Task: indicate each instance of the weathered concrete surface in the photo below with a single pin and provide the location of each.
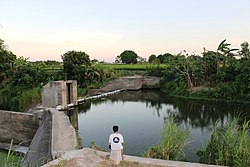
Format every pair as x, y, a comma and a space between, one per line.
39, 152
16, 148
128, 83
60, 93
150, 82
63, 134
54, 136
92, 158
21, 127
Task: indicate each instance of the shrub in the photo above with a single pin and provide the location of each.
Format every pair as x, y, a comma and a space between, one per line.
229, 145
26, 99
173, 141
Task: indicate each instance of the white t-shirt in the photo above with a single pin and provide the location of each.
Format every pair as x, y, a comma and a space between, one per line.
116, 140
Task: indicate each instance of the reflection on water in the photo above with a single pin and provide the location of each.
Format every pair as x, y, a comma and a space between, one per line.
141, 115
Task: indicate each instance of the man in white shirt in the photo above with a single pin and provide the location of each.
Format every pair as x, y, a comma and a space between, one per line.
115, 144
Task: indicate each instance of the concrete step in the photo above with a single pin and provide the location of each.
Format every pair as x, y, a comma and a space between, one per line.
16, 148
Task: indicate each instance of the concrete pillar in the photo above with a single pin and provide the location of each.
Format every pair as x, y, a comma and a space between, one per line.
74, 92
60, 93
64, 103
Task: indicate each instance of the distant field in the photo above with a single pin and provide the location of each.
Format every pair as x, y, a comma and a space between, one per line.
116, 66
129, 66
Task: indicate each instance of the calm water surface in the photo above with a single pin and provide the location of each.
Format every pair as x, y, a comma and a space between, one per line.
141, 115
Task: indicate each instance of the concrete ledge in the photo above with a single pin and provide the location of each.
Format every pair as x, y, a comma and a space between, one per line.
21, 127
39, 149
63, 137
16, 148
128, 83
94, 158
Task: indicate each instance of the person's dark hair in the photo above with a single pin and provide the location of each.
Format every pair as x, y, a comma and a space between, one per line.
115, 128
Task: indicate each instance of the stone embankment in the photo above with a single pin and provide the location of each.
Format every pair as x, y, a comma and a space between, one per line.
128, 83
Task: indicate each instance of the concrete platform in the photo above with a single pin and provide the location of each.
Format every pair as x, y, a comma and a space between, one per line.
88, 157
63, 137
16, 148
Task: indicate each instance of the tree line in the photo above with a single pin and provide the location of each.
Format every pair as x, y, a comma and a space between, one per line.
221, 74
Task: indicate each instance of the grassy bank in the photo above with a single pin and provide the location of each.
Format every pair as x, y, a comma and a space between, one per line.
229, 145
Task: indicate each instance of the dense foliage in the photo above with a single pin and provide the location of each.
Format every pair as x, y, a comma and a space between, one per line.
20, 81
219, 75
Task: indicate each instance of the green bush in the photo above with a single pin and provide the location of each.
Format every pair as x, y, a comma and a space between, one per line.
173, 141
26, 99
157, 71
5, 97
229, 145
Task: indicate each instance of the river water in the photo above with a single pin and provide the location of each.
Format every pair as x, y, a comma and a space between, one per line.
141, 115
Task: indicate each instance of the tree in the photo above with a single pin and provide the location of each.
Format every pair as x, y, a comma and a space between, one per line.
77, 65
74, 65
183, 68
94, 61
160, 58
223, 51
153, 59
165, 58
118, 59
76, 58
209, 64
245, 51
7, 59
141, 60
128, 57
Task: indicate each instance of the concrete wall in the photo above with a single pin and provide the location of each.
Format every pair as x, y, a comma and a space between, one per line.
50, 94
54, 136
21, 127
57, 93
39, 151
128, 83
63, 136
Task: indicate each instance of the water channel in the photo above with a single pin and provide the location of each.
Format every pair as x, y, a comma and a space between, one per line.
141, 115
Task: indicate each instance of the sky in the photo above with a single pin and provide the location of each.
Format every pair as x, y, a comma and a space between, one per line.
46, 29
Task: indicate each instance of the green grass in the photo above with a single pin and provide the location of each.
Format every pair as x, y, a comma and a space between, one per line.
3, 155
174, 139
129, 66
113, 66
9, 159
229, 145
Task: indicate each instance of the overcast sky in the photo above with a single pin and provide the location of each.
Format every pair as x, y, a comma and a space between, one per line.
46, 29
